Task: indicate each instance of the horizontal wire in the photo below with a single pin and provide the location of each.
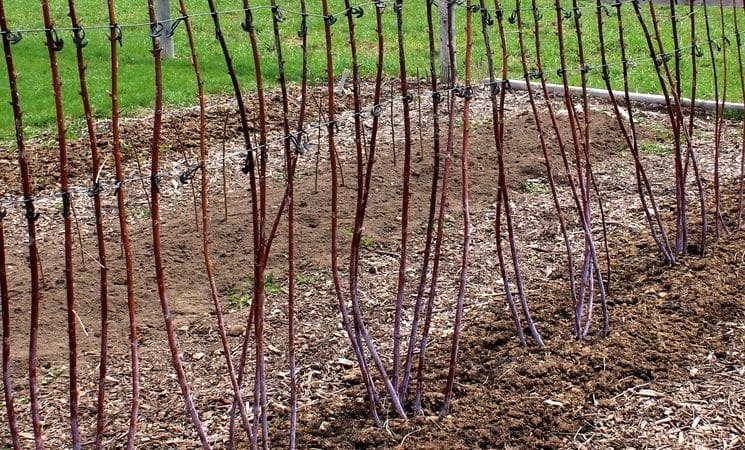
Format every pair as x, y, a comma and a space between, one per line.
382, 4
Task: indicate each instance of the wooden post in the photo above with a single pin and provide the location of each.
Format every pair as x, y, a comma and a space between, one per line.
164, 17
447, 22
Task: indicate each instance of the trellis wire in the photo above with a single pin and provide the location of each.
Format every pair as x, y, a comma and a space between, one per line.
587, 276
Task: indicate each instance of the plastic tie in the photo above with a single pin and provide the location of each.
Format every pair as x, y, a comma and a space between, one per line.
356, 11
78, 37
248, 24
57, 42
155, 182
188, 175
31, 214
174, 25
65, 204
303, 31
94, 190
117, 34
156, 29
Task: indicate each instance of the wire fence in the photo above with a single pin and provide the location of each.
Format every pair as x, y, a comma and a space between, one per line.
589, 39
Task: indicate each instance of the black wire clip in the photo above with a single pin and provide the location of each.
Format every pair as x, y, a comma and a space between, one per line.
248, 24
78, 37
376, 110
174, 25
57, 42
380, 4
117, 34
494, 88
3, 214
300, 141
605, 72
118, 186
303, 31
31, 214
398, 6
263, 155
535, 75
94, 190
465, 92
333, 124
486, 17
329, 20
187, 175
507, 85
408, 98
13, 37
356, 11
277, 14
658, 59
65, 204
248, 165
436, 98
155, 182
156, 29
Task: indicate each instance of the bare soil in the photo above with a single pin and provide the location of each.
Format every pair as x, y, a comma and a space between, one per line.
671, 374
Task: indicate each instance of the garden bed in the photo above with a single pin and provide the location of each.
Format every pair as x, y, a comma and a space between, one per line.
671, 373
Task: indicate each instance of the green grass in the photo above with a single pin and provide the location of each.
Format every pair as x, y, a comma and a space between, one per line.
136, 71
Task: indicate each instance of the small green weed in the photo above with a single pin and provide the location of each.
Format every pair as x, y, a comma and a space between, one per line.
306, 280
654, 148
347, 232
51, 375
731, 114
271, 285
240, 296
662, 134
531, 186
365, 242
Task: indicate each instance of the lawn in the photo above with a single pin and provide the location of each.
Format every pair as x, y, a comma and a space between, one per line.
136, 72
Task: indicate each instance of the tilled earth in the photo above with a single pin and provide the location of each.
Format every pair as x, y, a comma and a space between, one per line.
670, 375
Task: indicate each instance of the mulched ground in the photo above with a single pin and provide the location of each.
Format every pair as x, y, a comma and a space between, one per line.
671, 374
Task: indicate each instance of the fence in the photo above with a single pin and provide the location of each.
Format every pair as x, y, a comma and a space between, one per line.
590, 40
